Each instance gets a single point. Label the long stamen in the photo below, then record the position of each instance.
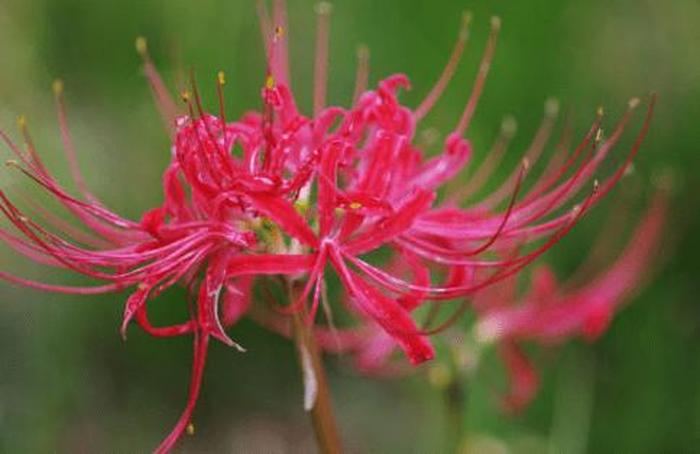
(279, 15)
(35, 161)
(511, 204)
(449, 70)
(478, 87)
(362, 74)
(509, 126)
(578, 212)
(267, 122)
(323, 12)
(220, 82)
(265, 25)
(165, 103)
(533, 153)
(68, 145)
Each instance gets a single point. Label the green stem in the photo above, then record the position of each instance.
(322, 415)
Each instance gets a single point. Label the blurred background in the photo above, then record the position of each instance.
(69, 384)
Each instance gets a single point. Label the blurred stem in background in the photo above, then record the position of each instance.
(573, 406)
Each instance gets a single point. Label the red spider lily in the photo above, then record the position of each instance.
(305, 194)
(548, 313)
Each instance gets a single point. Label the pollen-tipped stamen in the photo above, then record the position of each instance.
(483, 73)
(481, 176)
(68, 144)
(220, 82)
(323, 12)
(532, 154)
(166, 106)
(362, 72)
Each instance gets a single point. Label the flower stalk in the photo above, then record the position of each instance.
(317, 396)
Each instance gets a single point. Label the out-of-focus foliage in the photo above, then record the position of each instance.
(69, 384)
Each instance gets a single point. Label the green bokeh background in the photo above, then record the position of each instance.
(69, 384)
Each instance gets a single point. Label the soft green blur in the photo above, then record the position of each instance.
(69, 384)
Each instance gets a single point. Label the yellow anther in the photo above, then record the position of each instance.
(141, 46)
(355, 205)
(323, 8)
(600, 111)
(466, 20)
(495, 23)
(551, 107)
(270, 82)
(142, 286)
(633, 103)
(221, 78)
(509, 126)
(279, 32)
(57, 87)
(363, 52)
(190, 429)
(12, 163)
(23, 219)
(185, 96)
(22, 122)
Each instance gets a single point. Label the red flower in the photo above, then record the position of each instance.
(279, 193)
(550, 312)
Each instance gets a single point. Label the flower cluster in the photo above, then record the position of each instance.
(280, 194)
